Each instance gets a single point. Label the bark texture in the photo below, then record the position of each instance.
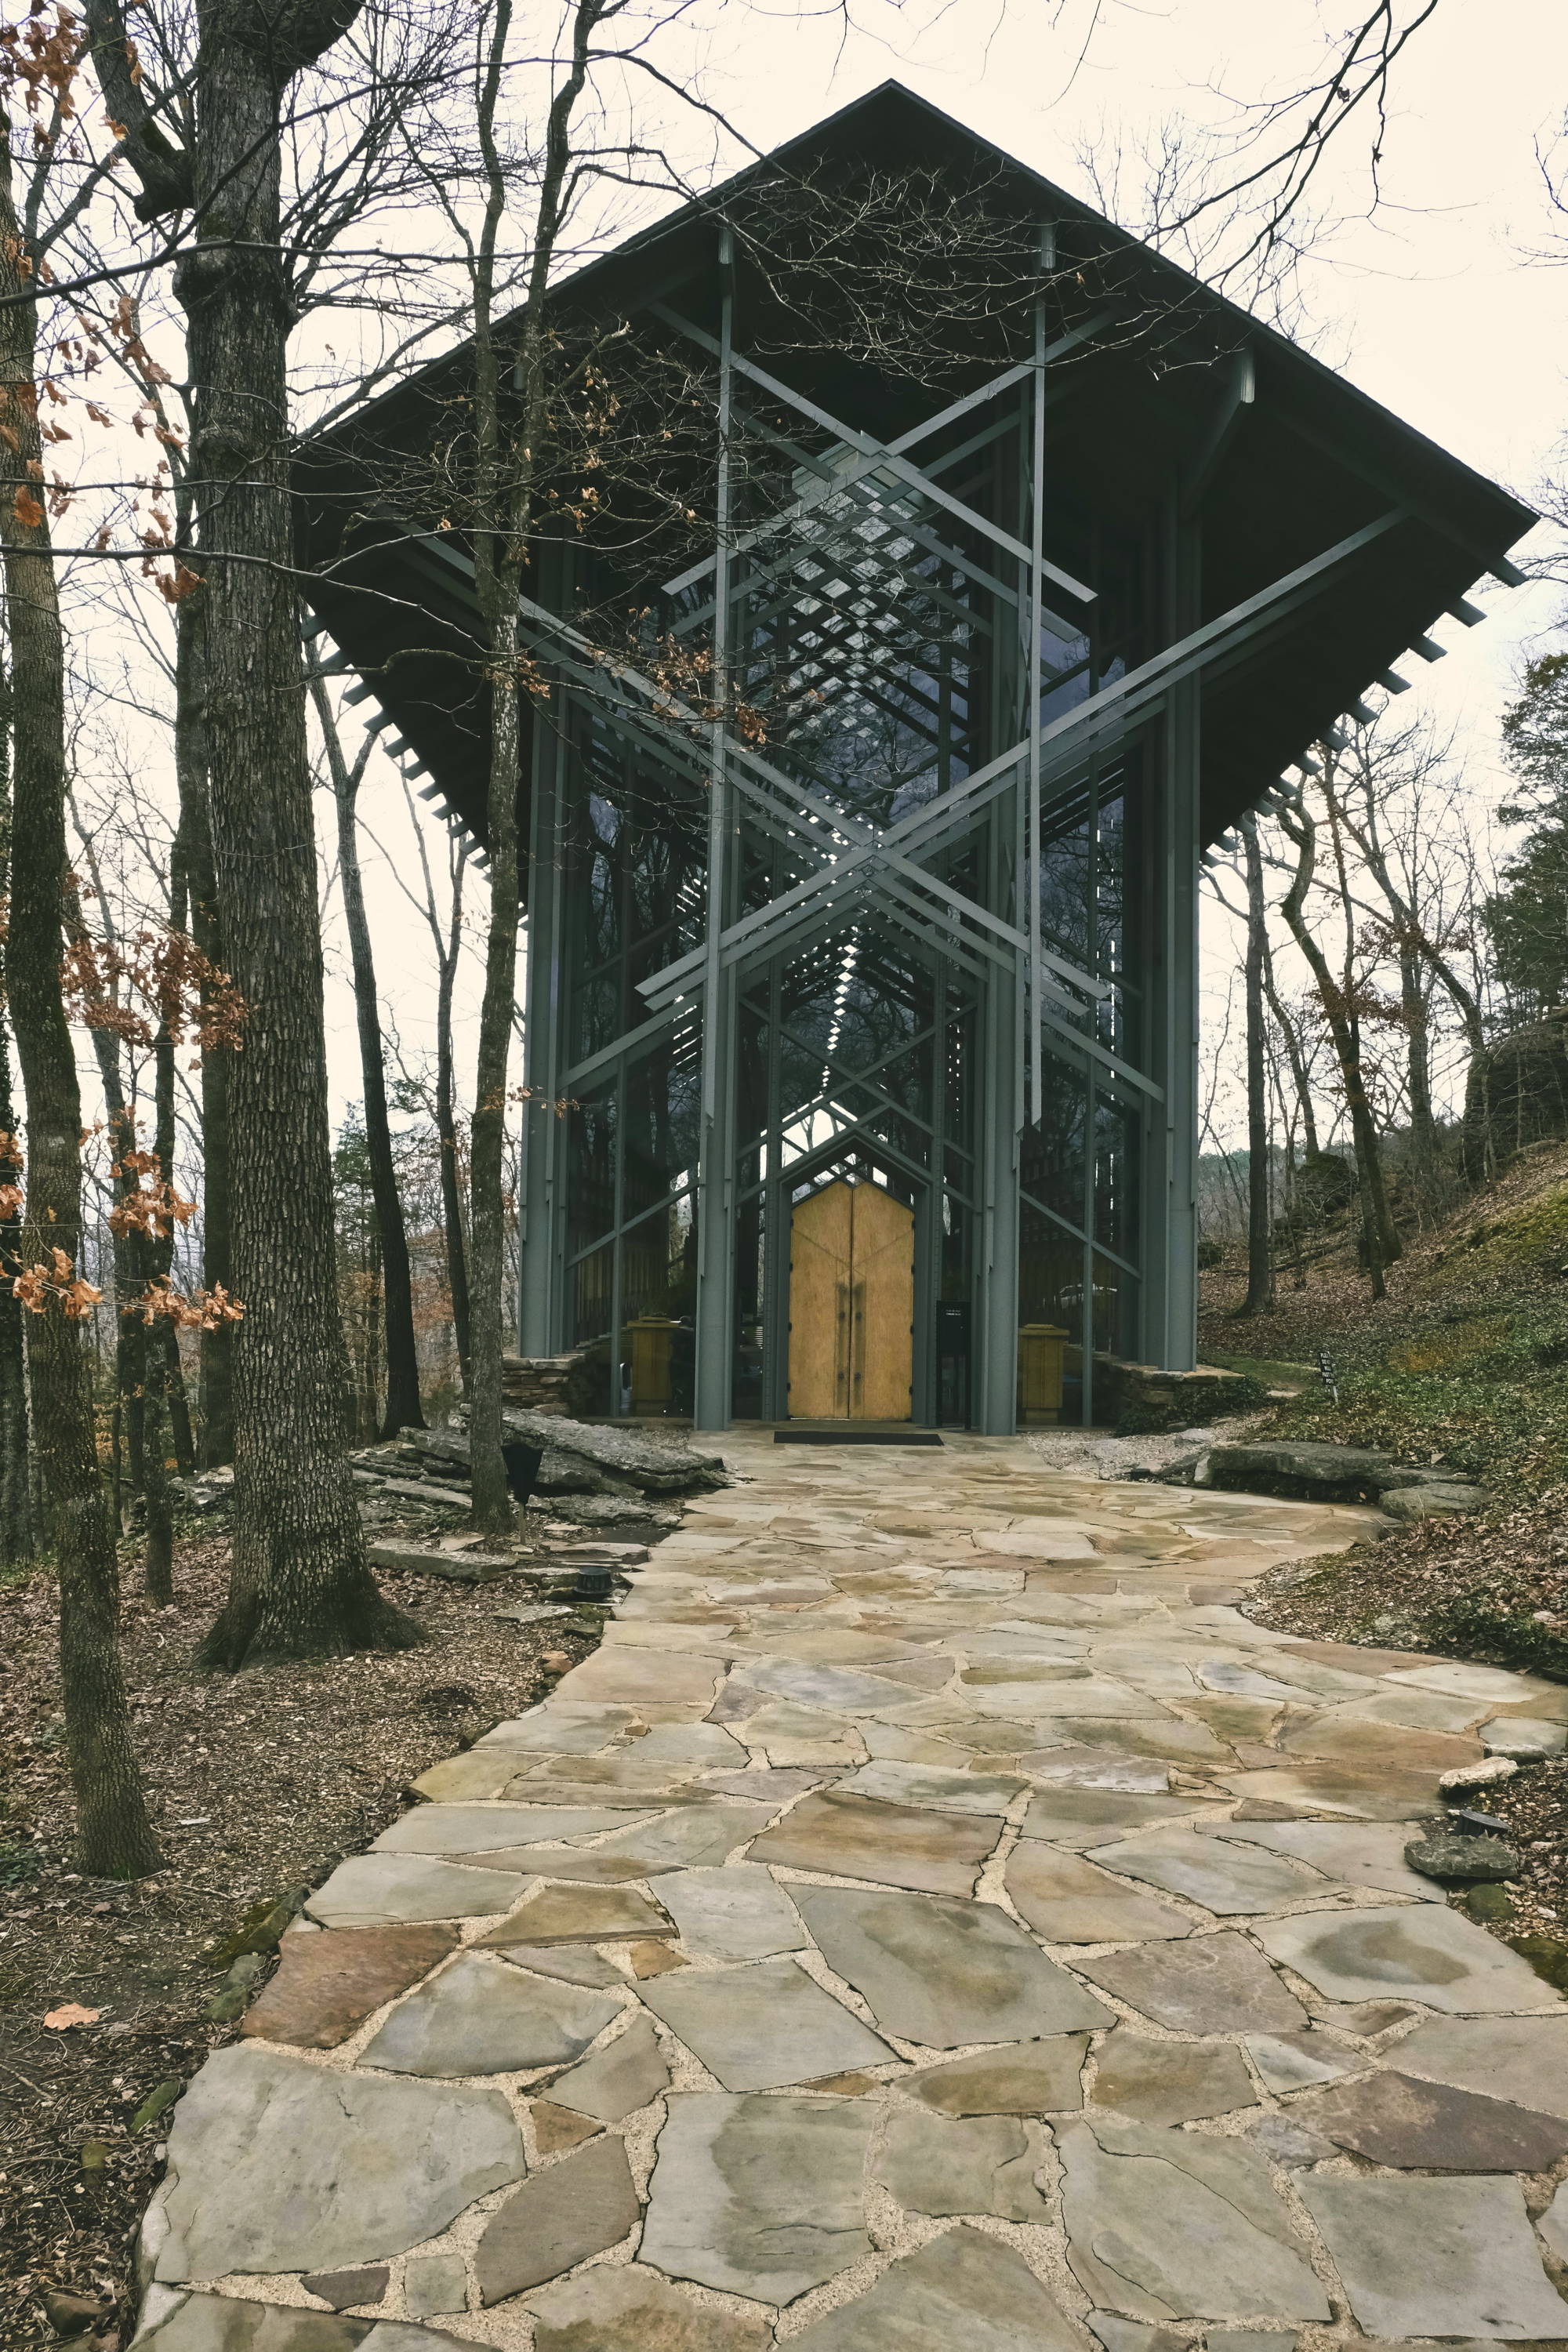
(447, 1129)
(1259, 1297)
(114, 1834)
(217, 1375)
(300, 1582)
(16, 1503)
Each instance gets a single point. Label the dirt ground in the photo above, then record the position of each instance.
(260, 1783)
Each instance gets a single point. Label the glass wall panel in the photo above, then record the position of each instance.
(591, 1159)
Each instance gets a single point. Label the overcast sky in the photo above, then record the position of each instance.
(1438, 306)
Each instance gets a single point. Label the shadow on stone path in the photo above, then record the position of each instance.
(935, 1921)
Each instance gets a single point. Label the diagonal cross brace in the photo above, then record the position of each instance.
(882, 457)
(1064, 743)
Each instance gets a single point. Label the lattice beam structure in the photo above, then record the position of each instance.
(861, 813)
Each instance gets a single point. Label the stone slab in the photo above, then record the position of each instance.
(942, 1973)
(1437, 2257)
(326, 1985)
(572, 1963)
(773, 1784)
(573, 2208)
(1087, 1817)
(1393, 2119)
(1292, 2062)
(478, 1772)
(1210, 1984)
(1226, 1879)
(944, 1791)
(1068, 1901)
(625, 2075)
(481, 2017)
(632, 1676)
(276, 2164)
(1359, 1791)
(555, 2129)
(1424, 1952)
(481, 1829)
(836, 1690)
(575, 1913)
(759, 2197)
(373, 1890)
(1170, 2082)
(942, 2166)
(1024, 2078)
(1524, 1738)
(893, 1845)
(173, 2322)
(1174, 2225)
(1525, 2058)
(345, 2289)
(559, 1728)
(700, 1833)
(740, 1913)
(1356, 1854)
(629, 2309)
(763, 2026)
(963, 2288)
(433, 2284)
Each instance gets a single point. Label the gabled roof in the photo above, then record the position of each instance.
(1315, 460)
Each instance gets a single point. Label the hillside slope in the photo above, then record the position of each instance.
(1464, 1363)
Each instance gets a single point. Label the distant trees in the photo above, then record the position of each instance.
(1370, 987)
(1527, 914)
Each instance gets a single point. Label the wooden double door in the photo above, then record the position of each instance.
(852, 1305)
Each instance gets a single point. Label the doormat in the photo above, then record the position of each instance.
(855, 1437)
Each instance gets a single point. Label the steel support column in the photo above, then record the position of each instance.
(716, 1163)
(541, 1253)
(1170, 1177)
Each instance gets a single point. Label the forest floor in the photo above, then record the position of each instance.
(260, 1783)
(1463, 1368)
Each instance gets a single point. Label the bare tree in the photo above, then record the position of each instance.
(115, 1836)
(300, 1582)
(1340, 1000)
(402, 1408)
(446, 939)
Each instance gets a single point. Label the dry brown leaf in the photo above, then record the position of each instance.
(72, 2012)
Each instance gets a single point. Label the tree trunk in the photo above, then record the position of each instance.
(15, 1501)
(509, 449)
(216, 1381)
(1300, 1076)
(1380, 1239)
(1259, 1297)
(301, 1585)
(16, 1497)
(402, 1409)
(114, 1834)
(1424, 1147)
(157, 1253)
(487, 1149)
(447, 1134)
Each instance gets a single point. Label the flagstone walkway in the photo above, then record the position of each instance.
(935, 1921)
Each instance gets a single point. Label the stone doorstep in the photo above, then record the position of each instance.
(454, 1567)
